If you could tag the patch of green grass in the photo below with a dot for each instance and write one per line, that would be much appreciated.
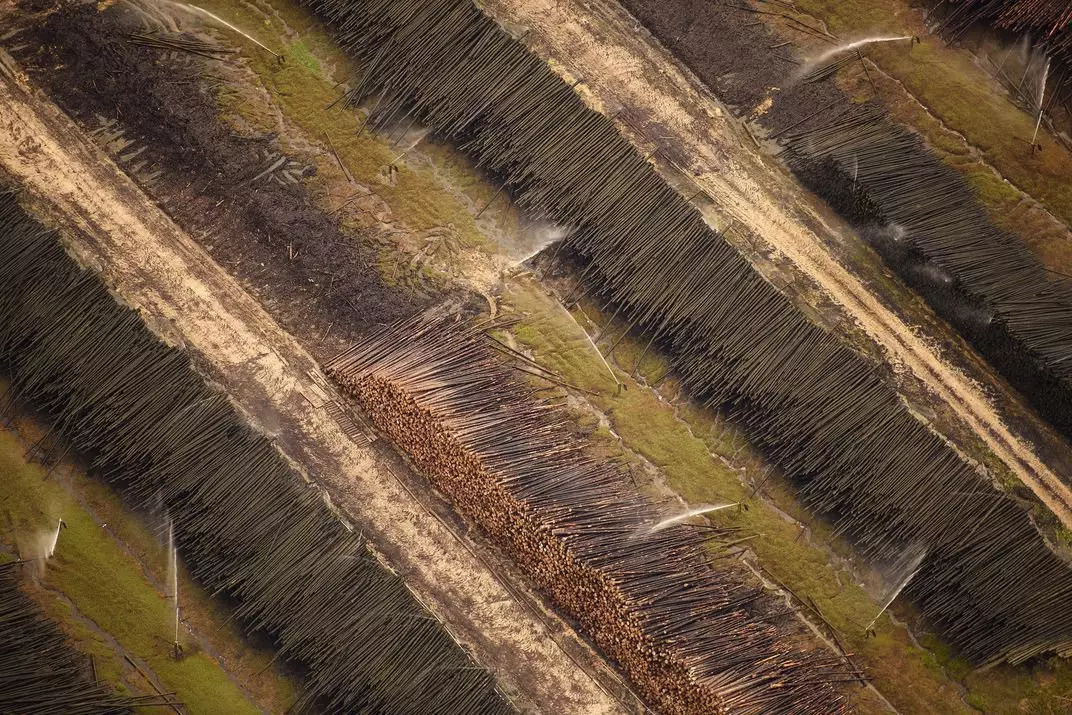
(254, 667)
(1064, 536)
(653, 365)
(303, 86)
(110, 666)
(97, 591)
(557, 337)
(300, 54)
(414, 193)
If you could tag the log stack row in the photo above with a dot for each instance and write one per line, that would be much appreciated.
(246, 523)
(1047, 21)
(691, 639)
(990, 584)
(926, 223)
(40, 672)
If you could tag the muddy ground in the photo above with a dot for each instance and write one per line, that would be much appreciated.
(735, 53)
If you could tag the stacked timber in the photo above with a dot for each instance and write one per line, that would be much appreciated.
(1047, 21)
(926, 223)
(40, 672)
(245, 522)
(990, 583)
(693, 640)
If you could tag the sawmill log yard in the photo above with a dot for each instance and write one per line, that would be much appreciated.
(573, 357)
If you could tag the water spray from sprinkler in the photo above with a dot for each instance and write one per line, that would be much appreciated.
(688, 514)
(545, 235)
(819, 61)
(913, 567)
(595, 347)
(1041, 97)
(60, 524)
(173, 581)
(229, 26)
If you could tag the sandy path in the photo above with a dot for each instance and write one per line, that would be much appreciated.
(187, 298)
(622, 66)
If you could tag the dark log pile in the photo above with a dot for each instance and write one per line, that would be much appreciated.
(926, 223)
(40, 672)
(1048, 21)
(245, 522)
(693, 640)
(990, 584)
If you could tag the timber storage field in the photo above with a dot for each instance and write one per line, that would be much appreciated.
(919, 215)
(245, 521)
(691, 638)
(425, 198)
(924, 221)
(990, 583)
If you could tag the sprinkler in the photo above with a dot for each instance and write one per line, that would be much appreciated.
(687, 514)
(173, 582)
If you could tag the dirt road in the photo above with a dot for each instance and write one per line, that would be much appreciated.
(188, 299)
(623, 67)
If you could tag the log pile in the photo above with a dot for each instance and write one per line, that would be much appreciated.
(1047, 21)
(40, 672)
(245, 522)
(691, 639)
(984, 281)
(990, 584)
